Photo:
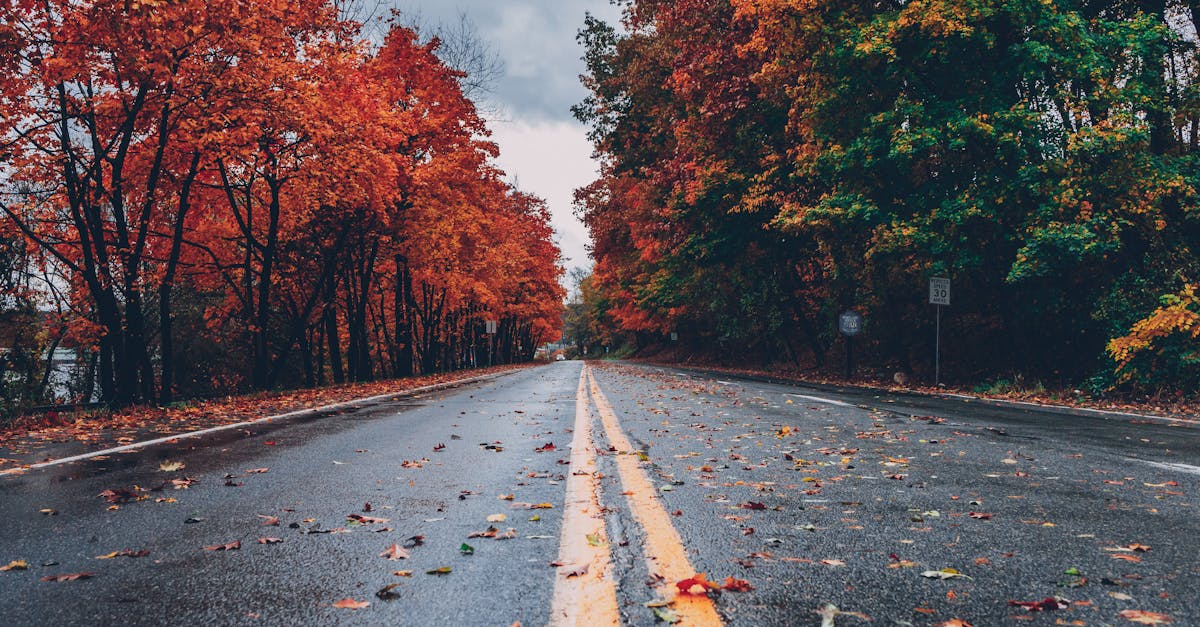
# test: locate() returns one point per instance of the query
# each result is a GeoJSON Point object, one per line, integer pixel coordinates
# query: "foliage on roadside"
{"type": "Point", "coordinates": [770, 164]}
{"type": "Point", "coordinates": [230, 196]}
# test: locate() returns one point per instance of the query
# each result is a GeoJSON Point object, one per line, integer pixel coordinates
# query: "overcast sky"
{"type": "Point", "coordinates": [542, 147]}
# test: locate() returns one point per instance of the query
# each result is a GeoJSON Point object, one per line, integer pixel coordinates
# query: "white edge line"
{"type": "Point", "coordinates": [290, 414]}
{"type": "Point", "coordinates": [818, 399]}
{"type": "Point", "coordinates": [1188, 468]}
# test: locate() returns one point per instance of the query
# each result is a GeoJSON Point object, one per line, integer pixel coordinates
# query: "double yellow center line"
{"type": "Point", "coordinates": [585, 586]}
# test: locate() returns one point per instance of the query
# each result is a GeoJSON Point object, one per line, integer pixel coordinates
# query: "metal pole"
{"type": "Point", "coordinates": [937, 350]}
{"type": "Point", "coordinates": [849, 357]}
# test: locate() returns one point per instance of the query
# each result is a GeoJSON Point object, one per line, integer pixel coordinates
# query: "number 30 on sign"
{"type": "Point", "coordinates": [939, 291]}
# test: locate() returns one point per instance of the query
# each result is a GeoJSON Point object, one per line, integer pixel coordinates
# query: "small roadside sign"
{"type": "Point", "coordinates": [489, 327]}
{"type": "Point", "coordinates": [939, 291]}
{"type": "Point", "coordinates": [850, 323]}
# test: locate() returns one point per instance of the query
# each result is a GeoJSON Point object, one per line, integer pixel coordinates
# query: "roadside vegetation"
{"type": "Point", "coordinates": [769, 165]}
{"type": "Point", "coordinates": [205, 198]}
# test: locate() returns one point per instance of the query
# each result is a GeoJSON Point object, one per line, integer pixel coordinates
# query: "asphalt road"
{"type": "Point", "coordinates": [811, 497]}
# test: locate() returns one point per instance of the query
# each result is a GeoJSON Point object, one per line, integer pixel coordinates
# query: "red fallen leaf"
{"type": "Point", "coordinates": [366, 507]}
{"type": "Point", "coordinates": [270, 443]}
{"type": "Point", "coordinates": [549, 446]}
{"type": "Point", "coordinates": [979, 515]}
{"type": "Point", "coordinates": [955, 622]}
{"type": "Point", "coordinates": [1045, 605]}
{"type": "Point", "coordinates": [270, 540]}
{"type": "Point", "coordinates": [350, 604]}
{"type": "Point", "coordinates": [748, 531]}
{"type": "Point", "coordinates": [439, 448]}
{"type": "Point", "coordinates": [1143, 617]}
{"type": "Point", "coordinates": [1140, 548]}
{"type": "Point", "coordinates": [365, 520]}
{"type": "Point", "coordinates": [394, 553]}
{"type": "Point", "coordinates": [736, 585]}
{"type": "Point", "coordinates": [232, 546]}
{"type": "Point", "coordinates": [67, 577]}
{"type": "Point", "coordinates": [490, 532]}
{"type": "Point", "coordinates": [697, 584]}
{"type": "Point", "coordinates": [269, 521]}
{"type": "Point", "coordinates": [752, 505]}
{"type": "Point", "coordinates": [1128, 558]}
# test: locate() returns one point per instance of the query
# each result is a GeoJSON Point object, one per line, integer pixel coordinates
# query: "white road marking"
{"type": "Point", "coordinates": [240, 425]}
{"type": "Point", "coordinates": [1188, 468]}
{"type": "Point", "coordinates": [818, 399]}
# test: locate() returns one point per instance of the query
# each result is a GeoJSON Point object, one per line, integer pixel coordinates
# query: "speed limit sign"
{"type": "Point", "coordinates": [939, 291]}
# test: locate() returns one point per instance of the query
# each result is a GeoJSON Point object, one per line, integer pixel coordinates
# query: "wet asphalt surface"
{"type": "Point", "coordinates": [811, 502]}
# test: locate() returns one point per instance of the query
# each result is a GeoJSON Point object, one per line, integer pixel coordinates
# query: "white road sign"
{"type": "Point", "coordinates": [939, 291]}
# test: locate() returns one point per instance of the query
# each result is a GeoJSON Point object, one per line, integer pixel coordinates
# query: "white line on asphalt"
{"type": "Point", "coordinates": [239, 425]}
{"type": "Point", "coordinates": [818, 399]}
{"type": "Point", "coordinates": [1188, 468]}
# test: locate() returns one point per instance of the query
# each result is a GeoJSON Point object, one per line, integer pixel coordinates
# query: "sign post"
{"type": "Point", "coordinates": [850, 324]}
{"type": "Point", "coordinates": [490, 328]}
{"type": "Point", "coordinates": [939, 295]}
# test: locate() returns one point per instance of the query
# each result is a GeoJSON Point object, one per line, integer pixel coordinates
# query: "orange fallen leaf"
{"type": "Point", "coordinates": [1127, 557]}
{"type": "Point", "coordinates": [232, 546]}
{"type": "Point", "coordinates": [955, 622]}
{"type": "Point", "coordinates": [736, 585]}
{"type": "Point", "coordinates": [394, 553]}
{"type": "Point", "coordinates": [270, 540]}
{"type": "Point", "coordinates": [1145, 618]}
{"type": "Point", "coordinates": [350, 604]}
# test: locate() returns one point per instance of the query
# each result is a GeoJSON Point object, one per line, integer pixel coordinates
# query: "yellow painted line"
{"type": "Point", "coordinates": [584, 590]}
{"type": "Point", "coordinates": [665, 555]}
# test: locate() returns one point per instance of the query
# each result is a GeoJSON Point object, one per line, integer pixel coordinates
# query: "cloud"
{"type": "Point", "coordinates": [536, 41]}
{"type": "Point", "coordinates": [551, 159]}
{"type": "Point", "coordinates": [542, 147]}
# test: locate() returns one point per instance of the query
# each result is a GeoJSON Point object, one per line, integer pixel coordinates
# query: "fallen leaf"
{"type": "Point", "coordinates": [232, 546]}
{"type": "Point", "coordinates": [545, 448]}
{"type": "Point", "coordinates": [359, 519]}
{"type": "Point", "coordinates": [466, 549]}
{"type": "Point", "coordinates": [403, 573]}
{"type": "Point", "coordinates": [752, 505]}
{"type": "Point", "coordinates": [441, 570]}
{"type": "Point", "coordinates": [697, 584]}
{"type": "Point", "coordinates": [269, 521]}
{"type": "Point", "coordinates": [666, 615]}
{"type": "Point", "coordinates": [497, 518]}
{"type": "Point", "coordinates": [955, 622]}
{"type": "Point", "coordinates": [394, 553]}
{"type": "Point", "coordinates": [350, 604]}
{"type": "Point", "coordinates": [257, 471]}
{"type": "Point", "coordinates": [980, 515]}
{"type": "Point", "coordinates": [1046, 604]}
{"type": "Point", "coordinates": [15, 565]}
{"type": "Point", "coordinates": [736, 585]}
{"type": "Point", "coordinates": [170, 466]}
{"type": "Point", "coordinates": [1145, 618]}
{"type": "Point", "coordinates": [386, 593]}
{"type": "Point", "coordinates": [1127, 557]}
{"type": "Point", "coordinates": [67, 577]}
{"type": "Point", "coordinates": [123, 553]}
{"type": "Point", "coordinates": [945, 573]}
{"type": "Point", "coordinates": [270, 540]}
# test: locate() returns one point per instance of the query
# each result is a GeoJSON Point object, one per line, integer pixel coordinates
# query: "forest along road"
{"type": "Point", "coordinates": [573, 494]}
